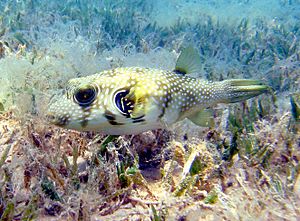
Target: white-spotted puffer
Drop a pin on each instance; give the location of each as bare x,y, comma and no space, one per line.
132,100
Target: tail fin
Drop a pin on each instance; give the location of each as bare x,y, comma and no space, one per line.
236,90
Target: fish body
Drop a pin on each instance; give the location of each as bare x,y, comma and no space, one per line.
134,99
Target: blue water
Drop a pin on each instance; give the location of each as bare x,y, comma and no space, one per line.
89,17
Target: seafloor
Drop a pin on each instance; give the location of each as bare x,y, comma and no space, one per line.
245,168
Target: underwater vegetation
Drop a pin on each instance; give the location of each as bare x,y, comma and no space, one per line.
240,169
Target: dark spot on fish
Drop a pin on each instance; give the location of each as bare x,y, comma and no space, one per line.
62,121
180,72
169,99
162,112
109,117
112,122
138,120
86,113
84,123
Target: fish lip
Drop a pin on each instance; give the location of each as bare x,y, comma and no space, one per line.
56,120
50,117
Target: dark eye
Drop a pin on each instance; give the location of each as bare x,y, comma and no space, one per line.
85,96
124,105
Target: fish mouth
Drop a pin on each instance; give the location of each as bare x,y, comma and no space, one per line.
57,120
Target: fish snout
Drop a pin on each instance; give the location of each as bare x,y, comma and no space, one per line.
50,117
55,119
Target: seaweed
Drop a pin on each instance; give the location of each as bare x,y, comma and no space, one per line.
295,109
211,198
49,189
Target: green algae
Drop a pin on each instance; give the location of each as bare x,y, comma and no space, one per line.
295,109
184,186
8,213
49,189
31,210
4,155
211,198
196,167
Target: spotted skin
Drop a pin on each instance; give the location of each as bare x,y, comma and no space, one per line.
133,100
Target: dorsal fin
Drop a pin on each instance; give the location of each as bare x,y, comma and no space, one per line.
188,62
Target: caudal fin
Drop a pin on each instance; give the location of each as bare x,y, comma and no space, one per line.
236,90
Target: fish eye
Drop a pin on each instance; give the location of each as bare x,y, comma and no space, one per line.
85,96
124,105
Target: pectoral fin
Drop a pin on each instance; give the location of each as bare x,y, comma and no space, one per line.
203,118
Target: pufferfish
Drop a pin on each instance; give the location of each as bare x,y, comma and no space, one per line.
131,100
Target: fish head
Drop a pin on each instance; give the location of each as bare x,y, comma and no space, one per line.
105,104
73,107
